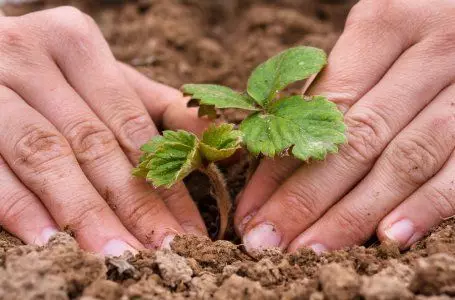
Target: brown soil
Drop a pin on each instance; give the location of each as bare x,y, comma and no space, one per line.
180,41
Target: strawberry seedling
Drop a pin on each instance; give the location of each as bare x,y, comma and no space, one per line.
304,127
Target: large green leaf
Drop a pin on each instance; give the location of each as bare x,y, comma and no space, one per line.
283,69
219,96
220,142
169,158
310,129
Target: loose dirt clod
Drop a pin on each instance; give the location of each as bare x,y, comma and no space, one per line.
381,287
435,275
173,268
237,287
339,282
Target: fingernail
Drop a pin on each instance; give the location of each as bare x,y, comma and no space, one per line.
318,248
117,248
262,237
193,229
166,243
46,235
401,232
242,225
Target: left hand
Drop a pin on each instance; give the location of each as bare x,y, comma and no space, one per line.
393,72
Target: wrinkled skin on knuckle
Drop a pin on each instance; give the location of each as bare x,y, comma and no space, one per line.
132,125
377,17
442,200
69,28
352,225
300,203
14,206
365,137
81,215
21,52
140,211
37,148
414,160
91,141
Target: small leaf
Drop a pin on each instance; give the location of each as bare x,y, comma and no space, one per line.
220,142
312,128
173,156
283,69
218,96
152,145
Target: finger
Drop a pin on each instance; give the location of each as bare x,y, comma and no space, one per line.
355,66
409,161
97,78
372,122
21,212
426,208
166,105
184,209
269,175
44,162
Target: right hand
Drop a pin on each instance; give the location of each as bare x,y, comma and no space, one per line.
71,122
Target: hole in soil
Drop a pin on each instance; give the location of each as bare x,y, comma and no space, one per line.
199,187
142,9
322,15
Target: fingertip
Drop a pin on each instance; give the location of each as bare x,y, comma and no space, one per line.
194,230
117,247
404,232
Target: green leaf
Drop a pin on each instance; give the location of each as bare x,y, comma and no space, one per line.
171,158
283,69
219,96
220,142
310,129
152,145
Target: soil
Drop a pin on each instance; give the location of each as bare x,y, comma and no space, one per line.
181,41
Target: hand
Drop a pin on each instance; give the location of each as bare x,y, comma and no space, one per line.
72,120
392,72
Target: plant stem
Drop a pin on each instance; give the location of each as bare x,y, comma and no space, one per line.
221,194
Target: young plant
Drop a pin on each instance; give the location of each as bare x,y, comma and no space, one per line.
304,127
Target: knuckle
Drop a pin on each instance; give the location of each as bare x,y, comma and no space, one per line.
413,160
442,201
85,215
38,147
351,223
366,137
380,16
300,204
13,209
141,212
18,46
91,141
367,11
73,25
135,124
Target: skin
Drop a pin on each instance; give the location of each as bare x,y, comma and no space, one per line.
393,74
72,121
